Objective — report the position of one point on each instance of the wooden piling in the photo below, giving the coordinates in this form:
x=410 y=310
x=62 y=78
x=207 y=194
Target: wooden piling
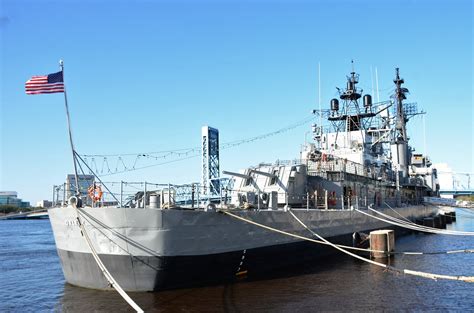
x=382 y=240
x=448 y=218
x=442 y=218
x=453 y=215
x=429 y=222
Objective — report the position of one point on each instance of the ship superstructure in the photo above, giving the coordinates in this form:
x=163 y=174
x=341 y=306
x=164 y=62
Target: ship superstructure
x=360 y=157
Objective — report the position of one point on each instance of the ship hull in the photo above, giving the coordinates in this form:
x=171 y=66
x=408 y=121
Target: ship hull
x=150 y=249
x=160 y=273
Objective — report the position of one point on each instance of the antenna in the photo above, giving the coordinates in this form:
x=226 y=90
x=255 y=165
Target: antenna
x=377 y=84
x=372 y=80
x=424 y=136
x=319 y=95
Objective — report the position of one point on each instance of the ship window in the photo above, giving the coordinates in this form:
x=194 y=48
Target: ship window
x=274 y=178
x=247 y=181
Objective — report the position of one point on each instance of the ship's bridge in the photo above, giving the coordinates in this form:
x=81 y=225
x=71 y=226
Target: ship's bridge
x=348 y=145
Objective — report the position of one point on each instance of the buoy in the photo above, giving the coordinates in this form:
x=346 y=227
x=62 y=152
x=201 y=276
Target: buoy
x=382 y=240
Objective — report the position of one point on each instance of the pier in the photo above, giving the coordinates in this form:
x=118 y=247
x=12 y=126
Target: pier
x=37 y=214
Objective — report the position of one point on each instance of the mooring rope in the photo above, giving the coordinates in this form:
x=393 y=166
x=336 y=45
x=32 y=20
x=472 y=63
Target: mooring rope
x=117 y=234
x=469 y=279
x=468 y=212
x=127 y=241
x=102 y=267
x=397 y=222
x=396 y=212
x=402 y=253
x=394 y=221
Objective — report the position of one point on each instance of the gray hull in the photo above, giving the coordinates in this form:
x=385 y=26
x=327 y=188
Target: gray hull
x=153 y=249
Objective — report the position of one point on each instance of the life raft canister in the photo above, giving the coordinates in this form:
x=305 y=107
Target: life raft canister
x=95 y=192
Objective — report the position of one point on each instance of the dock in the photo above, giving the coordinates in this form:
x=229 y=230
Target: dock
x=38 y=214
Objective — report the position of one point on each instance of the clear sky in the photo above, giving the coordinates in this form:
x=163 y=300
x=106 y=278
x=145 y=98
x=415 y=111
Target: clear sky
x=146 y=75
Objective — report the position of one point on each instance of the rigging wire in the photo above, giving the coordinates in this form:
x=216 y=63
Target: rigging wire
x=263 y=136
x=149 y=166
x=188 y=153
x=198 y=149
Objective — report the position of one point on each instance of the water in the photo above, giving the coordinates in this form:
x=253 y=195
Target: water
x=31 y=280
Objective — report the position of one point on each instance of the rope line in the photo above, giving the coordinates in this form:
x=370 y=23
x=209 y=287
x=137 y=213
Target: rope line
x=343 y=246
x=394 y=221
x=396 y=212
x=391 y=220
x=119 y=235
x=113 y=232
x=468 y=212
x=394 y=252
x=469 y=279
x=103 y=269
x=96 y=257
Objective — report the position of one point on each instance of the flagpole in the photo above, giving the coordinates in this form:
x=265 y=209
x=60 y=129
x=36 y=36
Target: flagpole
x=76 y=206
x=76 y=178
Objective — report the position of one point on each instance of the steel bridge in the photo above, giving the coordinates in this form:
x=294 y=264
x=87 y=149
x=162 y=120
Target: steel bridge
x=457 y=184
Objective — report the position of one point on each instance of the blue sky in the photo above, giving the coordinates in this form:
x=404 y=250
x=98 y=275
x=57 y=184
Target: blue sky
x=145 y=76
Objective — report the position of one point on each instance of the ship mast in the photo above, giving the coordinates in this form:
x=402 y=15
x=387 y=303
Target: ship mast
x=400 y=139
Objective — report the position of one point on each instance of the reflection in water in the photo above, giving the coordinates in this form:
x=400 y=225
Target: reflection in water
x=264 y=293
x=337 y=283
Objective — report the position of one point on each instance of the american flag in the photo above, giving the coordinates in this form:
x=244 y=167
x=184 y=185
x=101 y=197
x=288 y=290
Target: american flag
x=51 y=83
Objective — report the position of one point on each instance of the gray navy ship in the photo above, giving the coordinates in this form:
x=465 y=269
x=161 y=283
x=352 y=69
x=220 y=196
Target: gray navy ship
x=360 y=158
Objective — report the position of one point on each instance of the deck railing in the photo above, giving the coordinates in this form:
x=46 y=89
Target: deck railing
x=325 y=166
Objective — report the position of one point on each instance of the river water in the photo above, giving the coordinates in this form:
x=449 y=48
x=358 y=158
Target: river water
x=31 y=280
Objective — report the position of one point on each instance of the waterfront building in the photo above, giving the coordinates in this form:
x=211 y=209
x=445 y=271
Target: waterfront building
x=11 y=198
x=44 y=204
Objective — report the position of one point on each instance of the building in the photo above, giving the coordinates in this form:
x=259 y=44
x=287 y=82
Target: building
x=11 y=198
x=85 y=181
x=44 y=204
